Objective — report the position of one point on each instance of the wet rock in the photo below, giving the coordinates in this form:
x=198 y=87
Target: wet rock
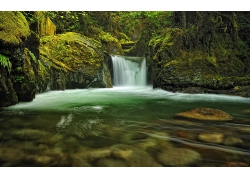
x=178 y=157
x=59 y=157
x=72 y=60
x=133 y=157
x=132 y=136
x=230 y=141
x=41 y=160
x=186 y=123
x=79 y=162
x=110 y=162
x=29 y=134
x=247 y=111
x=235 y=164
x=55 y=139
x=11 y=154
x=205 y=114
x=244 y=129
x=91 y=155
x=185 y=135
x=211 y=137
x=56 y=152
x=147 y=144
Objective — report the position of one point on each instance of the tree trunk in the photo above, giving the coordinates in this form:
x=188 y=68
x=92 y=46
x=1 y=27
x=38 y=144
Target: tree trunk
x=183 y=19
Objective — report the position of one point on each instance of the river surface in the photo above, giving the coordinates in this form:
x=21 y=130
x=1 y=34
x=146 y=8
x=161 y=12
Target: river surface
x=122 y=126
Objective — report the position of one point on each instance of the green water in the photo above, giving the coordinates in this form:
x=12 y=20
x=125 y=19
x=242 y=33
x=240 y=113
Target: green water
x=122 y=126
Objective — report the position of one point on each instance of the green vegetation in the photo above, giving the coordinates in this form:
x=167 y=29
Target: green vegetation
x=4 y=61
x=13 y=27
x=33 y=57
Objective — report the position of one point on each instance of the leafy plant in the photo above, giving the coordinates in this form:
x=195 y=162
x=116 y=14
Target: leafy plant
x=32 y=56
x=18 y=79
x=4 y=61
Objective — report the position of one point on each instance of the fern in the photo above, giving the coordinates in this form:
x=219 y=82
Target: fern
x=33 y=57
x=4 y=61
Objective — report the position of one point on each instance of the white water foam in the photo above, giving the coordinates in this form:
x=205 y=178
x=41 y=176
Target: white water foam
x=129 y=73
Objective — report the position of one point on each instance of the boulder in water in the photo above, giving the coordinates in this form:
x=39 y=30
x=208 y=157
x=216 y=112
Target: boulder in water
x=133 y=157
x=110 y=162
x=205 y=114
x=179 y=157
x=230 y=141
x=213 y=137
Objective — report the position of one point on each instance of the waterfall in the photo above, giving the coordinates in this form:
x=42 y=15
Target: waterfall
x=129 y=71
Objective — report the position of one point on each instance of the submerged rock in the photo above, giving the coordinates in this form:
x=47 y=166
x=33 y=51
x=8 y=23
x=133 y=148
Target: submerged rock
x=132 y=156
x=205 y=114
x=214 y=137
x=94 y=154
x=79 y=162
x=110 y=162
x=11 y=155
x=30 y=134
x=178 y=157
x=236 y=164
x=230 y=141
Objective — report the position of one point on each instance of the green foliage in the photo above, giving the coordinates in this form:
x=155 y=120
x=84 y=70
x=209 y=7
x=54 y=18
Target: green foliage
x=33 y=57
x=18 y=79
x=4 y=61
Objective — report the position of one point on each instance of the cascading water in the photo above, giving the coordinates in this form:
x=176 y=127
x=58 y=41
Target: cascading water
x=129 y=71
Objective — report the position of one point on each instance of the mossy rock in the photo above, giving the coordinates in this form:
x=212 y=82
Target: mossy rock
x=14 y=28
x=206 y=114
x=72 y=52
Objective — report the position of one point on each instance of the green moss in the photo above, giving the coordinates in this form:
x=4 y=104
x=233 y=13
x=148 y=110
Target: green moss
x=4 y=61
x=71 y=51
x=42 y=71
x=14 y=27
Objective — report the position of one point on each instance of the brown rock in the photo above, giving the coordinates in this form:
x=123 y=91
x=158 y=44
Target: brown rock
x=230 y=141
x=109 y=162
x=211 y=137
x=133 y=157
x=178 y=157
x=205 y=114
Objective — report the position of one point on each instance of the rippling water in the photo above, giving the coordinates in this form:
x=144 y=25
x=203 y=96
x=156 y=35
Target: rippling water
x=123 y=126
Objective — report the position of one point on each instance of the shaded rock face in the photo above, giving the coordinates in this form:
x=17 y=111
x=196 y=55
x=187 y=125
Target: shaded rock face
x=18 y=63
x=218 y=70
x=205 y=114
x=70 y=61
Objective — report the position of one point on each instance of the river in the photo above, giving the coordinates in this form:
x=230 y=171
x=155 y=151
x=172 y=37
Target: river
x=122 y=126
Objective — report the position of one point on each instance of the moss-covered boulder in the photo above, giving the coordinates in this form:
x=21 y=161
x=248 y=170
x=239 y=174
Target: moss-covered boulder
x=207 y=114
x=185 y=62
x=74 y=61
x=14 y=29
x=17 y=67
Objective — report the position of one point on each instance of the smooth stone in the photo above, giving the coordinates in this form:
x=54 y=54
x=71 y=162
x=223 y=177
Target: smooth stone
x=55 y=139
x=247 y=111
x=110 y=162
x=29 y=134
x=230 y=141
x=94 y=154
x=205 y=114
x=134 y=157
x=79 y=162
x=11 y=155
x=235 y=164
x=41 y=159
x=216 y=138
x=177 y=157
